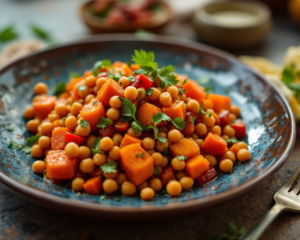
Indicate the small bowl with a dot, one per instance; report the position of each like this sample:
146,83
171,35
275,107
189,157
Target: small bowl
153,24
233,24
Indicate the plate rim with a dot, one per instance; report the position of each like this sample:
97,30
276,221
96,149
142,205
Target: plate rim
152,211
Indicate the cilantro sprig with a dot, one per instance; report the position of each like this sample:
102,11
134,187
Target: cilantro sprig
8,34
96,145
232,140
129,110
182,157
203,112
99,64
29,143
14,145
103,122
60,88
115,77
83,123
109,167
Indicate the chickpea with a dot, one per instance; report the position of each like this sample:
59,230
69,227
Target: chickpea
61,109
193,106
111,175
72,150
229,131
235,110
83,131
201,129
174,188
216,130
88,98
87,165
157,158
75,108
71,122
53,116
40,88
128,188
164,162
226,165
95,90
77,184
29,113
37,151
147,193
174,135
160,146
90,140
99,159
90,81
110,186
155,94
106,144
209,121
114,153
228,155
100,81
243,155
46,127
173,91
212,160
131,132
83,92
165,99
121,178
180,175
241,145
117,139
32,125
84,152
232,117
225,137
131,93
115,102
148,143
124,81
199,142
155,184
177,164
113,114
44,142
39,166
186,183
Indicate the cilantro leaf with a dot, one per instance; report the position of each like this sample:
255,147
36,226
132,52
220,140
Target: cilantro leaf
144,58
162,139
32,140
128,108
14,145
8,34
167,77
109,167
295,87
149,92
156,171
137,126
83,123
94,151
131,79
95,146
184,81
232,140
99,64
193,120
288,75
60,88
209,89
179,123
74,74
128,64
26,149
181,91
157,118
182,157
102,197
203,112
103,122
114,77
81,88
143,70
40,33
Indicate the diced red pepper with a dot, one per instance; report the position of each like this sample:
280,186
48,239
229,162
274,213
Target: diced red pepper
239,127
74,138
224,117
108,131
141,81
121,126
209,175
167,175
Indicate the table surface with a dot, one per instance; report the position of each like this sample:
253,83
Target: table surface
21,219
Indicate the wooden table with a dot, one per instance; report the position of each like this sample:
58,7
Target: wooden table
21,219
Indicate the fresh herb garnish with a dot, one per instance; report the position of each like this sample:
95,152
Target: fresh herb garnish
129,110
129,64
117,199
131,79
71,104
63,118
184,82
235,233
26,149
192,119
32,140
10,129
157,118
99,64
179,123
167,77
81,88
102,197
156,171
95,146
182,157
94,102
295,87
203,112
209,89
83,123
149,92
14,145
103,122
181,91
288,76
8,34
114,77
232,140
60,88
109,167
40,33
74,74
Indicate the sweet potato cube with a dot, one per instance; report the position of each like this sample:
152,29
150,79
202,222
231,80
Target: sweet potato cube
195,166
127,140
92,112
43,105
220,102
176,109
185,147
145,112
93,185
167,175
214,144
194,90
109,89
58,138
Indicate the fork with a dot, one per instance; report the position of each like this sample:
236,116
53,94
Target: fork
286,199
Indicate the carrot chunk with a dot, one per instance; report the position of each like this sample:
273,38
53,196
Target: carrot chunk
214,144
72,83
195,166
92,112
186,147
127,140
109,89
58,138
167,175
234,148
75,89
220,102
43,105
93,185
194,90
136,163
175,110
145,112
59,165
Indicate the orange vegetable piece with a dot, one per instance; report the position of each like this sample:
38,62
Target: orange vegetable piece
195,166
175,110
194,90
59,165
58,138
43,105
87,73
167,175
72,83
214,144
56,123
75,89
93,185
145,112
217,119
109,89
127,140
220,102
118,64
136,163
92,112
234,148
135,67
186,147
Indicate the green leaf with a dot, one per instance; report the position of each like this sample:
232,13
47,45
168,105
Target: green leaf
209,89
288,76
295,87
32,140
14,145
71,104
162,139
181,91
103,122
185,80
128,108
182,157
232,140
40,33
137,126
179,123
144,58
8,34
96,143
156,171
203,112
64,118
81,88
94,151
109,167
154,74
142,71
126,119
74,74
203,80
99,64
114,77
102,197
193,120
128,64
59,88
10,129
149,92
26,149
83,123
117,199
166,77
131,79
157,118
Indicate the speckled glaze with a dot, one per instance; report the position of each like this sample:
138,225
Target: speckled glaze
270,125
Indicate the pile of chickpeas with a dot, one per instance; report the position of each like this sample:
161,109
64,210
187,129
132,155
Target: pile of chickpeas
89,164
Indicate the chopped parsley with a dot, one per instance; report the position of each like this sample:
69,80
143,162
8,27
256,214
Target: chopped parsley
182,157
81,88
114,77
109,167
14,145
60,88
179,123
83,123
96,145
129,110
8,34
232,140
131,79
156,171
203,112
94,102
181,91
30,142
10,129
103,122
193,120
149,92
63,118
157,118
40,33
102,197
99,64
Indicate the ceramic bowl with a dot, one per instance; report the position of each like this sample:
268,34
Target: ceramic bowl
269,120
233,34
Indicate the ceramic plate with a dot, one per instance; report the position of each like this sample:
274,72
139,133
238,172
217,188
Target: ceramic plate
269,120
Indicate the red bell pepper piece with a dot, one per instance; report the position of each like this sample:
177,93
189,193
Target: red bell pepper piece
167,175
239,127
209,175
141,81
121,126
75,139
224,118
108,131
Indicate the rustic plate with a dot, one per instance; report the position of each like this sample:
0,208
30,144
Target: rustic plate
270,124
